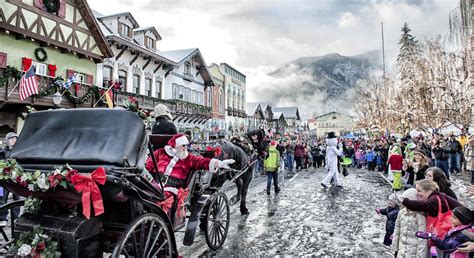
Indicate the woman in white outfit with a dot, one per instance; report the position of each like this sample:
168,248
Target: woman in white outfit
333,150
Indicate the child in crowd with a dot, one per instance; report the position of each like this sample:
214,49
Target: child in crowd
271,166
405,243
391,212
460,233
395,162
370,157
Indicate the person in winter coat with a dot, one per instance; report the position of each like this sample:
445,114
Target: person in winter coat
416,170
333,151
290,152
427,193
455,149
316,153
162,124
395,162
271,166
391,212
469,157
441,154
370,157
299,155
10,140
405,243
438,176
459,234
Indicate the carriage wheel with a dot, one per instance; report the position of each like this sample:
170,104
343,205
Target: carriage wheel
146,236
217,221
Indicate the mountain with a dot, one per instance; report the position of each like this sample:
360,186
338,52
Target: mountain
320,84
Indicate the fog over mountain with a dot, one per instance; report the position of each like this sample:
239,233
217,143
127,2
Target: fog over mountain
321,84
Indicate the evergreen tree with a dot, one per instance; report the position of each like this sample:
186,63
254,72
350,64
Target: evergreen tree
408,43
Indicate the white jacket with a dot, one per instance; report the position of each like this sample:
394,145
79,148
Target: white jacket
331,153
404,240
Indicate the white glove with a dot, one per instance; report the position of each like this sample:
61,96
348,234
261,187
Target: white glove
225,163
339,145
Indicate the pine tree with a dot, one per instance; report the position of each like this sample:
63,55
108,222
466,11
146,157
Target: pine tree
408,43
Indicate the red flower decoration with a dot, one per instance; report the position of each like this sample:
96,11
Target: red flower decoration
52,181
41,246
132,99
7,170
70,173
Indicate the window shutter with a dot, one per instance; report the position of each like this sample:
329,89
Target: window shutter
3,60
89,79
119,28
69,73
39,4
62,9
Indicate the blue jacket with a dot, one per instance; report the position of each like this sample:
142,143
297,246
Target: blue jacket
370,156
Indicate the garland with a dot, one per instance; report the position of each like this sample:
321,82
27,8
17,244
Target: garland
56,86
52,6
131,104
35,181
32,204
9,72
40,54
35,244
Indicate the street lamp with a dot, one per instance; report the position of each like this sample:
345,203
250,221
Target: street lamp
57,99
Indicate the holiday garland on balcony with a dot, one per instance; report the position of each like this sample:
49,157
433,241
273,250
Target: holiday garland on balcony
8,73
57,86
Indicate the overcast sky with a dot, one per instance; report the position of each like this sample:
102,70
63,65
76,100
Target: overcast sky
257,36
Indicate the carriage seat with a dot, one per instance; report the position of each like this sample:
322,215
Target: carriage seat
159,141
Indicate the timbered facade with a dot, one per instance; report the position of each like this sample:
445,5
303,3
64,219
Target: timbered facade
60,40
217,123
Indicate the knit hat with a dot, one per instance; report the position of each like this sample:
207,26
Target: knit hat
162,110
421,153
463,214
410,194
273,143
175,141
393,198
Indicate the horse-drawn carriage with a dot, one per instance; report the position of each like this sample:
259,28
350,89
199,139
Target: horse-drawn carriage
87,168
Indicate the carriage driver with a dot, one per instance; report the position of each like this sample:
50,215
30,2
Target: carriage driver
175,163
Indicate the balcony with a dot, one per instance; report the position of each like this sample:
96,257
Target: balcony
230,111
77,95
177,107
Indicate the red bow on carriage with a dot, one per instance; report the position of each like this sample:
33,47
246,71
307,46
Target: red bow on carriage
87,185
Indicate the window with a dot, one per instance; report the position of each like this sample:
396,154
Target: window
158,84
107,74
187,95
193,96
149,42
80,78
124,30
187,68
209,97
148,87
221,101
122,77
41,69
136,84
175,89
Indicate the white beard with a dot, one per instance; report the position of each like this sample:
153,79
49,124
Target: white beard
182,154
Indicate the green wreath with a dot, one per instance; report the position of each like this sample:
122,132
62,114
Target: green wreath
52,6
40,54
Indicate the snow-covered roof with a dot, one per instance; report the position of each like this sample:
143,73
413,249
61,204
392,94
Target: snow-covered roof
179,55
128,14
289,112
251,108
150,28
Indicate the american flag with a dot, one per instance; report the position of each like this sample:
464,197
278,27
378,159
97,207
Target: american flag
70,81
28,84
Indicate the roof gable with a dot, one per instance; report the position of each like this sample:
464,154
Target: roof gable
126,15
151,29
289,112
183,55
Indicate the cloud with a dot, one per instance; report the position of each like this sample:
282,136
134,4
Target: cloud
256,36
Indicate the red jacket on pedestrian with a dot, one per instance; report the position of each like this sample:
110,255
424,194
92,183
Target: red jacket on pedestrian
396,162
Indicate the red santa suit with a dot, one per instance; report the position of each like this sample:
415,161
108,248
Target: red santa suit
170,165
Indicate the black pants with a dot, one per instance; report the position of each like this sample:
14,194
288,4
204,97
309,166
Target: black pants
272,176
3,200
299,162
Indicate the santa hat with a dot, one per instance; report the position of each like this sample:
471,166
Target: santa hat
175,141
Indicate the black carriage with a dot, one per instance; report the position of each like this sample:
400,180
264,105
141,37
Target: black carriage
133,223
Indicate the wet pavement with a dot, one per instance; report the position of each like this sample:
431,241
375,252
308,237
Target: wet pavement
306,219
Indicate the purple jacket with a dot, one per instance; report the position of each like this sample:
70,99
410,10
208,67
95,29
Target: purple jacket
454,238
299,150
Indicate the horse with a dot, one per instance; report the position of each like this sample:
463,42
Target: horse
244,150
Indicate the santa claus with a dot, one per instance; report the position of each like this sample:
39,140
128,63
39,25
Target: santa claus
175,163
